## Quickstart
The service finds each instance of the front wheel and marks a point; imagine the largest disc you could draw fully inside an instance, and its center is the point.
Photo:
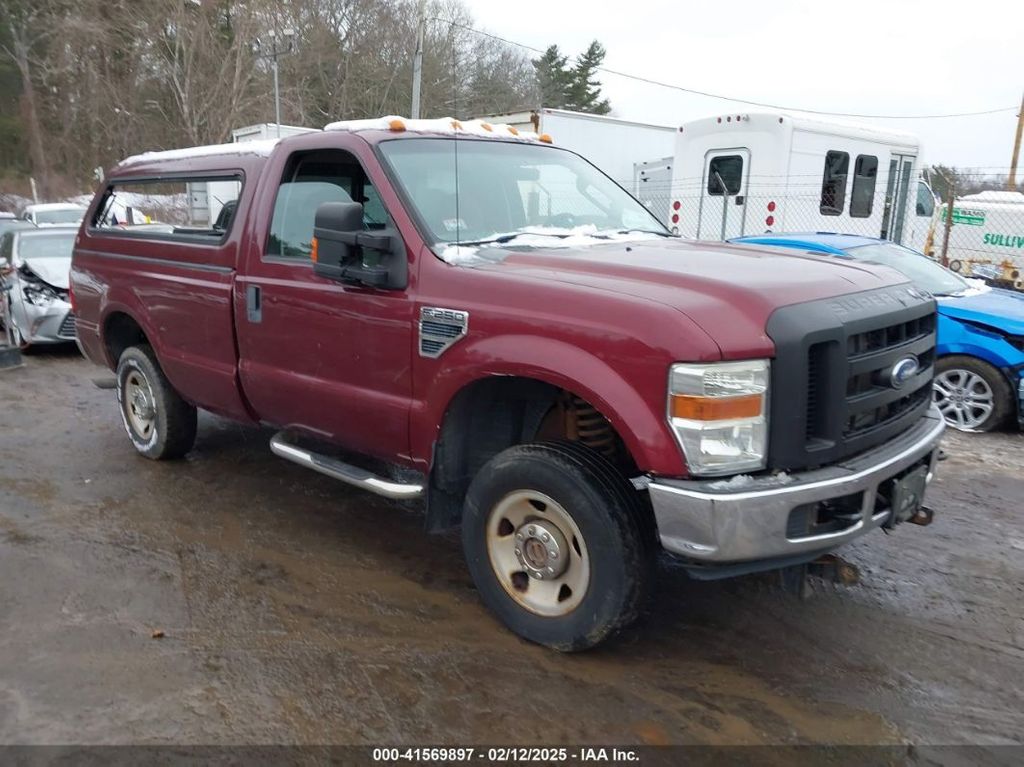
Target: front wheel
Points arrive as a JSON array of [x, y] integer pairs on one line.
[[557, 545], [971, 394], [159, 422]]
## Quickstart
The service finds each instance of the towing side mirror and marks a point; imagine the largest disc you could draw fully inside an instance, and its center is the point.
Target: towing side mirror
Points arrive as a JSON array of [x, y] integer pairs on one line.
[[344, 251]]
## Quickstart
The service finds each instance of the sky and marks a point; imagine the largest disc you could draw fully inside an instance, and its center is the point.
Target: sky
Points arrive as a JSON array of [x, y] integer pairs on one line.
[[878, 57]]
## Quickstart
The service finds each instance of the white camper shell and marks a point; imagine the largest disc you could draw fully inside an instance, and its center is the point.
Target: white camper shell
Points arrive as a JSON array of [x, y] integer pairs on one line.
[[750, 173]]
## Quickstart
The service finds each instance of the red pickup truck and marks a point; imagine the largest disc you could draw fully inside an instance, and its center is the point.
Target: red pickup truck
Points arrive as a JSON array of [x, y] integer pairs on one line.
[[469, 317]]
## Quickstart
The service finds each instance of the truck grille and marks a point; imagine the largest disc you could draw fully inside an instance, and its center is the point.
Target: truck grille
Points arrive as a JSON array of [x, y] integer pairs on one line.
[[67, 326], [840, 391]]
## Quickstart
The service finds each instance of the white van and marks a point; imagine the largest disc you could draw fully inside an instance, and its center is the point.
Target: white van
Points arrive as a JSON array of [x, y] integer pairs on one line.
[[750, 173]]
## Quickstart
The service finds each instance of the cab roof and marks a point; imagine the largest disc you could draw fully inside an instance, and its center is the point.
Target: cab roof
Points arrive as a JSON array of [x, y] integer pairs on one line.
[[445, 126]]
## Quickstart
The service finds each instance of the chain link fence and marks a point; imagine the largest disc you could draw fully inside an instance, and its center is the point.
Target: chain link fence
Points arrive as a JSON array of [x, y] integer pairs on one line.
[[984, 238]]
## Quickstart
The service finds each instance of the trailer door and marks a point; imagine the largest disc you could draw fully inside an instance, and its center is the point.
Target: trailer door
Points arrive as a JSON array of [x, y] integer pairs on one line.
[[724, 193], [901, 178]]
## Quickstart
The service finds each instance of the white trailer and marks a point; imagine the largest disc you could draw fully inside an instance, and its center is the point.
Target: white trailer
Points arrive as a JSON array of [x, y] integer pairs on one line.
[[987, 236], [613, 145], [750, 173], [262, 131]]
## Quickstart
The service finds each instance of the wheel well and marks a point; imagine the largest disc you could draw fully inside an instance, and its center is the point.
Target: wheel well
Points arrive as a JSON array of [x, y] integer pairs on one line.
[[493, 414], [119, 332]]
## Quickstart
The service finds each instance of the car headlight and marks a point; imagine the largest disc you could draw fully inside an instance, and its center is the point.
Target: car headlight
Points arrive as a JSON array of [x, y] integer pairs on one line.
[[39, 295], [719, 414]]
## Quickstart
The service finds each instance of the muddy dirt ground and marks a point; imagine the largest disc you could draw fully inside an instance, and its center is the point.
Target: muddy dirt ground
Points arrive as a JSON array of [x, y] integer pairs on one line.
[[295, 610]]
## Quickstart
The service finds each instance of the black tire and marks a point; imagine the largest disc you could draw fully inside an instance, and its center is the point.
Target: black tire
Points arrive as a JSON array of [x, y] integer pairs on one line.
[[619, 540], [1002, 394], [174, 421]]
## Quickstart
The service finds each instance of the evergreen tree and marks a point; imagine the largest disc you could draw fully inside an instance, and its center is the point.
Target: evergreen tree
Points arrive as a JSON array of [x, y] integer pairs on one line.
[[584, 93], [553, 77], [573, 87]]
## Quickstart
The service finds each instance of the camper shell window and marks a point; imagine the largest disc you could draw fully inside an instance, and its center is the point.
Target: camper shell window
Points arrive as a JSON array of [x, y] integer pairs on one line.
[[730, 169], [833, 183], [862, 196], [194, 208]]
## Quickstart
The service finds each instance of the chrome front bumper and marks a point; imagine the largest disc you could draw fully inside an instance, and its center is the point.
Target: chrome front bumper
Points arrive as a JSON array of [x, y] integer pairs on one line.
[[746, 520]]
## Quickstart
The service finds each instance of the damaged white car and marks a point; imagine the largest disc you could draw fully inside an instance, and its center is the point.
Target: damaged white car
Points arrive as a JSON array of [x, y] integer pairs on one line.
[[35, 265]]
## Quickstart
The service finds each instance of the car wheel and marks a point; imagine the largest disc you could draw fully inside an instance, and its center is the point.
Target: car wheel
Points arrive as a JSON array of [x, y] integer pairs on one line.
[[159, 422], [971, 394], [557, 544]]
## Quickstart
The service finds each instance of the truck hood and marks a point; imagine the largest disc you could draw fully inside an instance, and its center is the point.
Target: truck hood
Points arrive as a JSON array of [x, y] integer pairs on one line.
[[728, 290], [51, 270], [1000, 309]]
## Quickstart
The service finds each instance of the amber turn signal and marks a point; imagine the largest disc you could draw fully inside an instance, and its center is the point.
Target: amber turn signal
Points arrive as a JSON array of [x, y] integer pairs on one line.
[[694, 408], [314, 250]]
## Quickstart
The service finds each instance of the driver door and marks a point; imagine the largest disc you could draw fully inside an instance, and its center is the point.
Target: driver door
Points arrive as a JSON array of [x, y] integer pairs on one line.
[[327, 358]]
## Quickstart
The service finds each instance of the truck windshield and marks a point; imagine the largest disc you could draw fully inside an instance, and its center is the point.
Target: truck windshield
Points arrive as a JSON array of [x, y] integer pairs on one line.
[[922, 271], [487, 191]]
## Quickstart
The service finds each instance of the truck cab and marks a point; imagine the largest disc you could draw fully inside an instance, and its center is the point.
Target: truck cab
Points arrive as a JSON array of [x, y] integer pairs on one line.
[[464, 316]]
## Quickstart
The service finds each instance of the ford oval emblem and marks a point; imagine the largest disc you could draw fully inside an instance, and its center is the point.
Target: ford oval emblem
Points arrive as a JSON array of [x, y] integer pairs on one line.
[[903, 371]]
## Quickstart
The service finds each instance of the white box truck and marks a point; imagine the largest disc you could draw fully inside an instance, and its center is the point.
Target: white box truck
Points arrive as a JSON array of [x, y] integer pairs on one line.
[[615, 146], [749, 173]]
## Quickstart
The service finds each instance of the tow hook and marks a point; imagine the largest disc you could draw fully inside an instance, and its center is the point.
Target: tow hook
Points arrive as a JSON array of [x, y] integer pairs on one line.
[[923, 516]]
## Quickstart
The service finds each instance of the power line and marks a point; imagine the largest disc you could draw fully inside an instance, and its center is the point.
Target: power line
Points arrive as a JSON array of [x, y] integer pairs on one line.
[[766, 105]]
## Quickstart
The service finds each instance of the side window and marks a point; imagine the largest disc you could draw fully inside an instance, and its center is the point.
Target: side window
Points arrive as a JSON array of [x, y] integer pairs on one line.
[[833, 183], [189, 208], [862, 196], [311, 179], [925, 200], [6, 249], [730, 169]]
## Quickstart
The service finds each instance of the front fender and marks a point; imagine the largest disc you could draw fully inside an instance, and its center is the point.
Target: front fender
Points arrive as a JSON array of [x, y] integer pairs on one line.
[[634, 407]]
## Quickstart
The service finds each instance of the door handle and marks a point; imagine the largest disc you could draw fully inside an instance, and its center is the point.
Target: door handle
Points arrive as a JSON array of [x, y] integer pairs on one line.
[[253, 303]]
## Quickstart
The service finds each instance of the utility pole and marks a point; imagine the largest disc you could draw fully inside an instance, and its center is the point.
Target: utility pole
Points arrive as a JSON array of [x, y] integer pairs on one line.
[[274, 51], [1011, 180], [417, 60]]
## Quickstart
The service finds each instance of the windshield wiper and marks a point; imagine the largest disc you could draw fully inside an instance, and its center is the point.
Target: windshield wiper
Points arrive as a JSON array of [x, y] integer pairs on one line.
[[645, 231], [503, 238]]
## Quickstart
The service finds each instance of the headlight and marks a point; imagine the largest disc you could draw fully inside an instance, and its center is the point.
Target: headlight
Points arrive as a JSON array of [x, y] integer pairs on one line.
[[719, 414], [39, 295]]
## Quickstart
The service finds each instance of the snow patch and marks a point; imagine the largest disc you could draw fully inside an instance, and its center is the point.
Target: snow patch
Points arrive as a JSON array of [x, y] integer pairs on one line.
[[445, 126], [548, 237], [261, 148], [743, 481]]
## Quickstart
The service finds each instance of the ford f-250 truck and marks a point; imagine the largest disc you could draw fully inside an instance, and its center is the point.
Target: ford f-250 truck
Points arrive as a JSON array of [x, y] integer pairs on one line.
[[467, 316]]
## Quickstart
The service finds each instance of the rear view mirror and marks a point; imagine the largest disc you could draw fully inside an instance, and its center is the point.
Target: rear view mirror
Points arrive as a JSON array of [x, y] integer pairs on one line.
[[344, 251]]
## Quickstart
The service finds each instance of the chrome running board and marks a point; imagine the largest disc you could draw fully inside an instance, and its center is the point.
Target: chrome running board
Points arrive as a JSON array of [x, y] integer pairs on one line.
[[332, 467]]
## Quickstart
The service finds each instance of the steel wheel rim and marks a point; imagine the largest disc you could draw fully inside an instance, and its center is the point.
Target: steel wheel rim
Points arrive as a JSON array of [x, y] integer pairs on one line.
[[964, 398], [139, 404], [520, 555]]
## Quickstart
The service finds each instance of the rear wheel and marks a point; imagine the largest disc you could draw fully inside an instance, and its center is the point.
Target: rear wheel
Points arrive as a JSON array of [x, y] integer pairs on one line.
[[971, 394], [159, 422], [555, 540]]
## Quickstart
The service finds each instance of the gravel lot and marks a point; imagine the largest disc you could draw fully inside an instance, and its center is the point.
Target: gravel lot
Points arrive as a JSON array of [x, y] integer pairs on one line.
[[295, 610]]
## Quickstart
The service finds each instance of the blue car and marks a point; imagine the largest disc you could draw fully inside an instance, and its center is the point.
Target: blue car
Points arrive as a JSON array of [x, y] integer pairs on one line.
[[979, 382]]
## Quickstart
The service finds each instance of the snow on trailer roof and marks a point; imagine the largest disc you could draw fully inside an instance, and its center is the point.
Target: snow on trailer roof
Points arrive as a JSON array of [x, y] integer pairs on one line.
[[444, 126], [261, 148]]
